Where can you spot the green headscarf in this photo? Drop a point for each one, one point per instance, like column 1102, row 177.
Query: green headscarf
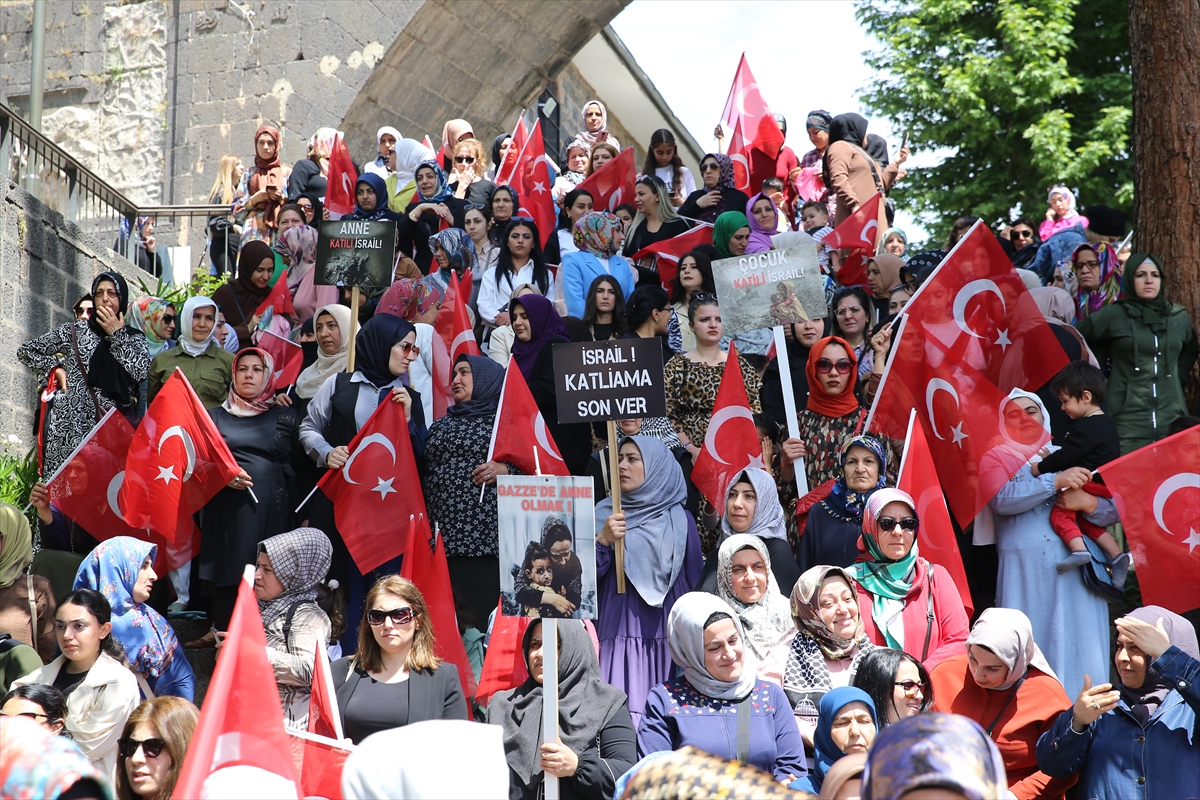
column 725, row 227
column 888, row 581
column 16, row 544
column 1153, row 313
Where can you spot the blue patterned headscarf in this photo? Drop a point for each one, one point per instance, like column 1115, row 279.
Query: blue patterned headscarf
column 442, row 190
column 947, row 751
column 458, row 246
column 112, row 569
column 845, row 503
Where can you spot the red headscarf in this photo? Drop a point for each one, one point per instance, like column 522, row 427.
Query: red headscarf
column 819, row 401
column 268, row 171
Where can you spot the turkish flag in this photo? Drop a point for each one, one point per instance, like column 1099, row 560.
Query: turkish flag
column 504, row 170
column 429, row 146
column 859, row 230
column 242, row 721
column 339, row 192
column 86, row 486
column 668, row 252
column 745, row 101
column 455, row 337
column 918, row 477
column 425, row 565
column 381, row 464
column 853, row 271
column 1157, row 491
column 613, row 183
column 731, row 443
column 279, row 299
column 324, row 719
column 177, row 460
column 504, row 664
column 976, row 438
column 520, row 429
column 319, row 761
column 754, row 161
column 978, row 309
column 740, row 156
column 531, row 179
column 287, row 355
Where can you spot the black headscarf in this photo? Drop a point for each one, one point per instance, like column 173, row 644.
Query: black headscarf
column 850, row 128
column 499, row 140
column 485, row 396
column 105, row 373
column 877, row 149
column 373, row 347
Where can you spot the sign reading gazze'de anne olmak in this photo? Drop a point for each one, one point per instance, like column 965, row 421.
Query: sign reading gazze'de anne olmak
column 617, row 379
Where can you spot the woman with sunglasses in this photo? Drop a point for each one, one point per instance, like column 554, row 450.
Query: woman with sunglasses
column 101, row 691
column 152, row 748
column 468, row 176
column 897, row 682
column 384, row 350
column 395, row 678
column 1004, row 683
column 905, row 601
column 155, row 318
column 43, row 704
column 718, row 194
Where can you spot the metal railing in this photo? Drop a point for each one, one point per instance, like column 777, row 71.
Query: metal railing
column 61, row 182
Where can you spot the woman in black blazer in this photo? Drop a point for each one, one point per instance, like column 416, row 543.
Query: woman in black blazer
column 395, row 679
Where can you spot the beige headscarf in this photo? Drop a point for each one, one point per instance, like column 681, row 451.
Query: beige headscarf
column 317, row 373
column 454, row 130
column 1008, row 634
column 16, row 544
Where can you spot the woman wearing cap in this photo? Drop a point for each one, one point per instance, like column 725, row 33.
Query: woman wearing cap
column 1004, row 683
column 906, row 602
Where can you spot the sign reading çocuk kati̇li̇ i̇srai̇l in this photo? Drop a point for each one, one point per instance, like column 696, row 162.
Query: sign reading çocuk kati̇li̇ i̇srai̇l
column 617, row 379
column 763, row 290
column 355, row 252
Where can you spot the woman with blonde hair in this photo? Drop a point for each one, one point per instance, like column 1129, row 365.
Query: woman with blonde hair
column 395, row 678
column 601, row 154
column 152, row 746
column 223, row 231
column 468, row 176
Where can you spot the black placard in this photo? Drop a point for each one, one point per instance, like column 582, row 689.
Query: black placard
column 355, row 253
column 617, row 379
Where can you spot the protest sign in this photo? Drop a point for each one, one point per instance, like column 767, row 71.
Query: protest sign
column 355, row 253
column 617, row 379
column 547, row 546
column 763, row 290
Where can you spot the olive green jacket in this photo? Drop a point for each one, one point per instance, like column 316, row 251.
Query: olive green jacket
column 210, row 374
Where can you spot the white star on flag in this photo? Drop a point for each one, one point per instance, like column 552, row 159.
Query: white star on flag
column 957, row 433
column 384, row 488
column 1003, row 341
column 1192, row 541
column 539, row 187
column 166, row 474
column 756, row 462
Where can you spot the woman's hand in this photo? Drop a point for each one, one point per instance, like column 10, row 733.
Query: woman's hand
column 880, row 343
column 337, row 457
column 1092, row 702
column 150, row 245
column 443, row 211
column 258, row 198
column 718, row 133
column 400, row 395
column 903, row 156
column 416, row 213
column 1077, row 500
column 110, row 322
column 1150, row 639
column 559, row 760
column 768, row 450
column 282, row 399
column 793, row 450
column 709, row 200
column 325, row 214
column 241, row 481
column 1050, row 215
column 487, row 472
column 502, row 319
column 1072, row 478
column 60, row 378
column 252, row 323
column 39, row 496
column 613, row 530
column 560, row 603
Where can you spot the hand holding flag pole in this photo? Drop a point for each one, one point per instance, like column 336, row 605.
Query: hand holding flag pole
column 619, row 545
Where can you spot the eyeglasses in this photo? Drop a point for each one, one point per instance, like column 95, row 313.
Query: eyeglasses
column 888, row 524
column 464, row 159
column 153, row 748
column 849, row 311
column 1088, row 265
column 843, row 365
column 708, row 166
column 29, row 714
column 168, row 319
column 474, row 207
column 400, row 616
column 911, row 687
column 408, row 347
column 1023, row 234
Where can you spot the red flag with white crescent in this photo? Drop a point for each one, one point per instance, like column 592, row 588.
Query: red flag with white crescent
column 860, row 230
column 612, row 184
column 731, row 443
column 520, row 429
column 745, row 101
column 531, row 179
column 339, row 194
column 287, row 355
column 668, row 252
column 504, row 170
column 1157, row 491
column 455, row 336
column 740, row 156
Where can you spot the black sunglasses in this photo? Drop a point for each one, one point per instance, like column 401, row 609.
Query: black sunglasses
column 400, row 616
column 709, row 165
column 843, row 365
column 168, row 319
column 522, row 219
column 888, row 524
column 464, row 159
column 911, row 686
column 1023, row 234
column 153, row 748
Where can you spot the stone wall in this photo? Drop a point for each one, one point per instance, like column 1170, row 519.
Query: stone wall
column 46, row 264
column 573, row 91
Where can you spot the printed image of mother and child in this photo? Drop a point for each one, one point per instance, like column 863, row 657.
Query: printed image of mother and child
column 549, row 580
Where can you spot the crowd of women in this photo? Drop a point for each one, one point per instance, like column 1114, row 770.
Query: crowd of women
column 783, row 632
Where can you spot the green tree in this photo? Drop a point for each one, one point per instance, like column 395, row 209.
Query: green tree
column 1021, row 94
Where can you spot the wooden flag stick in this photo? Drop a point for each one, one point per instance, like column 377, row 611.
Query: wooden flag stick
column 614, row 479
column 550, row 697
column 353, row 327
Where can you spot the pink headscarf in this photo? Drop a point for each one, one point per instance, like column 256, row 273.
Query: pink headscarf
column 408, row 299
column 760, row 239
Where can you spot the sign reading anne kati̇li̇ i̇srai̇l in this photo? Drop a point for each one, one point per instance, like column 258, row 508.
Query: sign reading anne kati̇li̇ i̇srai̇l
column 355, row 252
column 763, row 290
column 617, row 379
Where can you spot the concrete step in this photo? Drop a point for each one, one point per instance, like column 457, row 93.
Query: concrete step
column 203, row 660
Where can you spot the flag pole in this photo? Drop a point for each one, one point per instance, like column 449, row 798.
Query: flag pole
column 615, row 480
column 353, row 327
column 789, row 405
column 496, row 424
column 887, row 368
column 550, row 696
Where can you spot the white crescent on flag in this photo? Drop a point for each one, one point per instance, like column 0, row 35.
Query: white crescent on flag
column 461, row 339
column 933, row 387
column 964, row 296
column 1180, row 480
column 374, row 438
column 714, row 428
column 740, row 99
column 114, row 490
column 189, row 447
column 872, row 225
column 539, row 433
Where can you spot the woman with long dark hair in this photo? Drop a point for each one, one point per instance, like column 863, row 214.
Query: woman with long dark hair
column 521, row 261
column 662, row 159
column 898, row 683
column 603, row 313
column 575, row 205
column 693, row 277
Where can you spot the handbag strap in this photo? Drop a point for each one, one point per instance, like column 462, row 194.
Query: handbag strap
column 1011, row 694
column 83, row 371
column 928, row 614
column 33, row 626
column 743, row 730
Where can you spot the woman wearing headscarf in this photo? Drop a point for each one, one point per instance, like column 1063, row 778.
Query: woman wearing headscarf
column 288, row 568
column 371, row 200
column 905, row 601
column 762, row 215
column 883, row 275
column 239, row 299
column 599, row 236
column 331, row 325
column 597, row 743
column 453, row 132
column 846, row 725
column 595, row 125
column 434, row 208
column 97, row 364
column 419, row 302
column 1148, row 344
column 260, row 192
column 500, row 147
column 1004, row 683
column 1069, row 620
column 662, row 562
column 746, row 582
column 155, row 318
column 828, row 646
column 1061, row 213
column 934, row 752
column 310, row 175
column 1139, row 739
column 408, row 155
column 752, row 507
column 1093, row 276
column 26, row 601
column 207, row 366
column 454, row 252
column 298, row 248
column 457, row 465
column 36, row 763
column 263, row 437
column 718, row 194
column 538, row 327
column 731, row 234
column 386, row 138
column 834, row 525
column 122, row 569
column 384, row 351
column 706, row 707
column 893, row 241
column 575, row 155
column 850, row 173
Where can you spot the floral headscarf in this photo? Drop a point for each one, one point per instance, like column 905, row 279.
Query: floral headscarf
column 442, row 190
column 806, row 612
column 945, row 751
column 725, row 177
column 1110, row 289
column 843, row 502
column 458, row 246
column 34, row 763
column 888, row 581
column 409, row 298
column 298, row 246
column 112, row 569
column 320, row 144
column 595, row 233
column 146, row 315
column 241, row 407
column 767, row 622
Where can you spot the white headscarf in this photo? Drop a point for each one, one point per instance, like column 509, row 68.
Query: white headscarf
column 1008, row 634
column 409, row 155
column 315, row 374
column 685, row 626
column 985, row 522
column 768, row 622
column 193, row 348
column 387, row 129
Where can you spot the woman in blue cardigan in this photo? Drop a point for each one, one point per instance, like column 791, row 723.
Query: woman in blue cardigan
column 599, row 236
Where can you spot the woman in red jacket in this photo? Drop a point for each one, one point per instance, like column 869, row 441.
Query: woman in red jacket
column 906, row 602
column 1004, row 683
